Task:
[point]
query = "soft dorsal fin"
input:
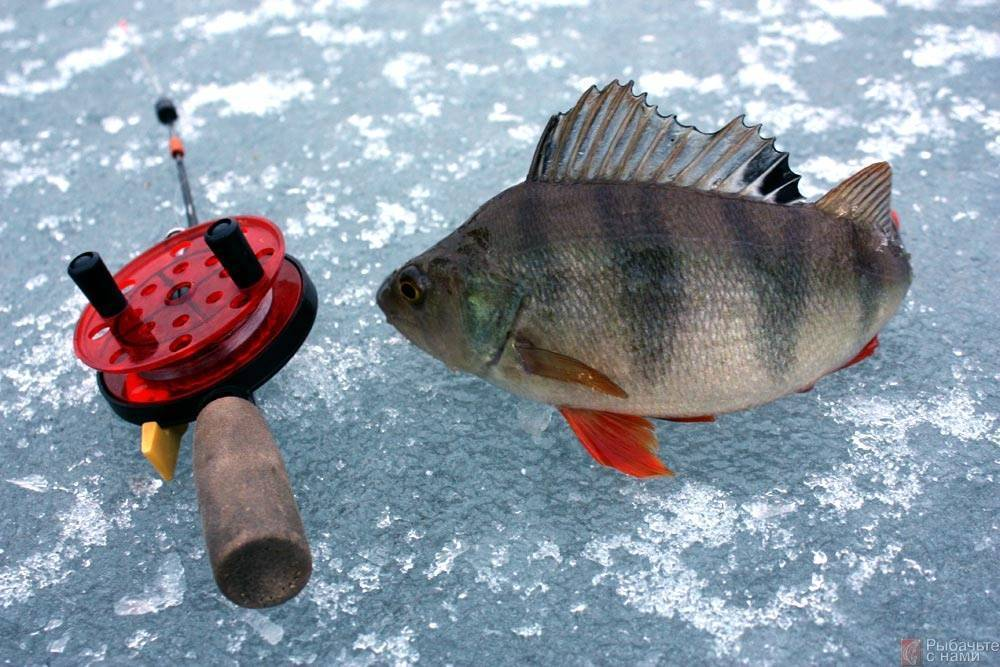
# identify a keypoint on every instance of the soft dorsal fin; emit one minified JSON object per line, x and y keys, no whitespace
{"x":864,"y":197}
{"x":614,"y":135}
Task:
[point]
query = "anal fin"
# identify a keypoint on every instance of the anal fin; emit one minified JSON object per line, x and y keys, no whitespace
{"x":624,"y":442}
{"x":867,"y":351}
{"x":690,"y":420}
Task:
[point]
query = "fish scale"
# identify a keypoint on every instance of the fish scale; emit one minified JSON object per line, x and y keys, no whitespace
{"x":646,"y":269}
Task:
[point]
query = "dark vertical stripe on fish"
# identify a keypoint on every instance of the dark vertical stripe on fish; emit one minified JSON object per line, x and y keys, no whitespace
{"x":780,"y":283}
{"x":608,"y":216}
{"x":532,"y":227}
{"x":868,"y":286}
{"x":647,"y":266}
{"x":536,"y":255}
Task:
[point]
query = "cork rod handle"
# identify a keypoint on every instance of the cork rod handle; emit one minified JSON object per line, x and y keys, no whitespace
{"x":256,"y":542}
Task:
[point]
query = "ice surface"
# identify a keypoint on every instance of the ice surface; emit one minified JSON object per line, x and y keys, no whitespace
{"x":451,"y":522}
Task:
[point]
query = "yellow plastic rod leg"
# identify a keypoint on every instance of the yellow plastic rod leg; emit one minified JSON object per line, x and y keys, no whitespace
{"x":161,"y":445}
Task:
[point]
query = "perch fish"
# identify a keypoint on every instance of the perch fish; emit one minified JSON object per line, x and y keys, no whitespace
{"x":645,"y":269}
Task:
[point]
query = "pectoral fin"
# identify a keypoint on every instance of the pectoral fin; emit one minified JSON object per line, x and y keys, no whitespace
{"x":623,"y":442}
{"x":555,"y":366}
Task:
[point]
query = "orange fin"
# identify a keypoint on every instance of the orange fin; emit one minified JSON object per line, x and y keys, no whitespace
{"x":623,"y":442}
{"x":867,"y":351}
{"x":895,"y":219}
{"x":690,"y":420}
{"x":559,"y":367}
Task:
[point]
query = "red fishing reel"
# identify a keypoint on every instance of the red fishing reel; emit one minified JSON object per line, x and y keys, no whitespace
{"x":214,"y":308}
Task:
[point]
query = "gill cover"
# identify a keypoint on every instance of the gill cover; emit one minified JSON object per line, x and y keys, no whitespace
{"x":489,"y":311}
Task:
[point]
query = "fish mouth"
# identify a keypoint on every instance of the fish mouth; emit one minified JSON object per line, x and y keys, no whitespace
{"x":382,"y":296}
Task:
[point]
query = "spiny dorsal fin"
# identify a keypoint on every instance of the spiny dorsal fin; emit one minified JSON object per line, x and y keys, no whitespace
{"x":614,"y":135}
{"x":864,"y":197}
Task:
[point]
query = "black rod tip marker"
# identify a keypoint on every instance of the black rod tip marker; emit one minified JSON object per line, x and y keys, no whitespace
{"x":229,"y":243}
{"x":166,"y":112}
{"x":91,"y":275}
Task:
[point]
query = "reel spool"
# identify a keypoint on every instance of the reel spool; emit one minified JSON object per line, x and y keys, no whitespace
{"x":186,"y":326}
{"x":186,"y":332}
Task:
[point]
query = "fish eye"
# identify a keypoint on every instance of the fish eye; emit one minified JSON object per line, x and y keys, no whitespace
{"x":412,"y":285}
{"x":409,"y":290}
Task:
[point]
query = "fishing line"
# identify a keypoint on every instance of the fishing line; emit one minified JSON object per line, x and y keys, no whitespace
{"x":136,"y":45}
{"x":166,"y":112}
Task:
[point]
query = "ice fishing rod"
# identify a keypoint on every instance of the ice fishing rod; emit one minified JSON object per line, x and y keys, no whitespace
{"x":186,"y":332}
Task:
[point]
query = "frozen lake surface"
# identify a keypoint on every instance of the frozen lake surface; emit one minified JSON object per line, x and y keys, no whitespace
{"x":452,"y":522}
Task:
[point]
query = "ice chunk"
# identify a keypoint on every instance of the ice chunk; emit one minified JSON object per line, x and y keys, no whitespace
{"x":59,"y":645}
{"x":35,"y":483}
{"x":166,"y":590}
{"x":526,"y":631}
{"x":268,"y":630}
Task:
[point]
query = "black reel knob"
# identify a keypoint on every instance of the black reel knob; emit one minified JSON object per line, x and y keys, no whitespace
{"x":230,"y":245}
{"x":91,"y":275}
